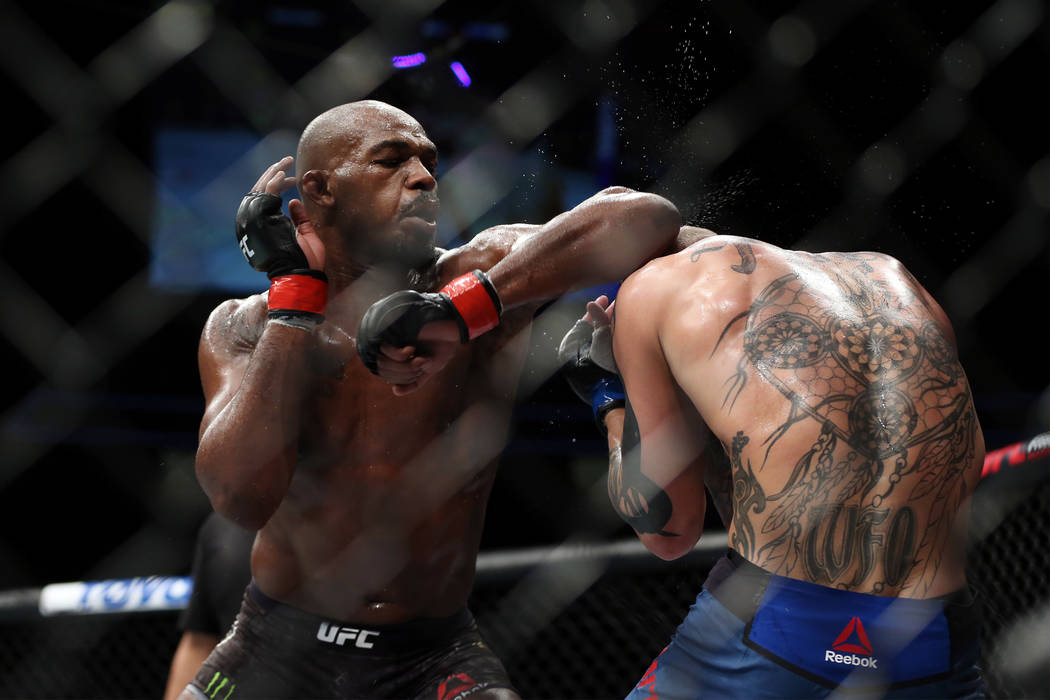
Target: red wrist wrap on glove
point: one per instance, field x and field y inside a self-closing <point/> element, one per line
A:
<point x="298" y="293"/>
<point x="476" y="301"/>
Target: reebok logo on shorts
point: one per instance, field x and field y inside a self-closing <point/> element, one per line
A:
<point x="851" y="647"/>
<point x="341" y="635"/>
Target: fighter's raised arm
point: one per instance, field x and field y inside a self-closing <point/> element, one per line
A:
<point x="657" y="457"/>
<point x="253" y="372"/>
<point x="601" y="240"/>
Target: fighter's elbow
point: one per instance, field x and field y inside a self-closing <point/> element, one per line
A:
<point x="615" y="189"/>
<point x="657" y="215"/>
<point x="670" y="546"/>
<point x="638" y="226"/>
<point x="246" y="505"/>
<point x="249" y="512"/>
<point x="643" y="211"/>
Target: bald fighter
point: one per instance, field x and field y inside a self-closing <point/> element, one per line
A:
<point x="368" y="495"/>
<point x="819" y="400"/>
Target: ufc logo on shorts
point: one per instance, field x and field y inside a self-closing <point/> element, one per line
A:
<point x="341" y="635"/>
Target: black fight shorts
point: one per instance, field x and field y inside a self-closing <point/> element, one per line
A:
<point x="277" y="651"/>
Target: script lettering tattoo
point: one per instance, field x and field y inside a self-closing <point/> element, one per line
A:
<point x="861" y="357"/>
<point x="637" y="500"/>
<point x="840" y="538"/>
<point x="899" y="552"/>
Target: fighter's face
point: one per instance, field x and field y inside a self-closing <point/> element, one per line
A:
<point x="385" y="190"/>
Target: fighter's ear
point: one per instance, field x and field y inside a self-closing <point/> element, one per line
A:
<point x="313" y="185"/>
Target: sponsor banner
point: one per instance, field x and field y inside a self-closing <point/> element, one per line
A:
<point x="116" y="595"/>
<point x="1031" y="450"/>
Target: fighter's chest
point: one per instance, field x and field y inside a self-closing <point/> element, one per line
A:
<point x="349" y="408"/>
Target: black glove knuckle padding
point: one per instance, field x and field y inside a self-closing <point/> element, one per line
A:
<point x="579" y="370"/>
<point x="582" y="376"/>
<point x="267" y="237"/>
<point x="397" y="319"/>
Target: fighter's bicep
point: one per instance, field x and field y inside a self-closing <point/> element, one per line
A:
<point x="640" y="359"/>
<point x="661" y="446"/>
<point x="657" y="487"/>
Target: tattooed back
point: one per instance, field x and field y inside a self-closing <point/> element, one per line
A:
<point x="833" y="384"/>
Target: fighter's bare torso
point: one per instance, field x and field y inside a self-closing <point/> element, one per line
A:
<point x="382" y="519"/>
<point x="833" y="384"/>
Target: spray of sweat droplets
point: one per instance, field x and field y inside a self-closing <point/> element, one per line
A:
<point x="654" y="100"/>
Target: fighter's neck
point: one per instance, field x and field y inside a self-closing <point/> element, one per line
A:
<point x="392" y="276"/>
<point x="352" y="289"/>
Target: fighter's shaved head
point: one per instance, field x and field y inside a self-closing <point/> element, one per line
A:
<point x="340" y="129"/>
<point x="360" y="167"/>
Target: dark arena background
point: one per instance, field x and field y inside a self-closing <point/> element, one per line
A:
<point x="918" y="129"/>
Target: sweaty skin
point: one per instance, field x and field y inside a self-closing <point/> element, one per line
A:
<point x="370" y="502"/>
<point x="820" y="400"/>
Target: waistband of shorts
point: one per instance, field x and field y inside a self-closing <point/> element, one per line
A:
<point x="361" y="638"/>
<point x="744" y="593"/>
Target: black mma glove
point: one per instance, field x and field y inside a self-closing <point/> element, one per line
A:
<point x="587" y="363"/>
<point x="470" y="300"/>
<point x="298" y="294"/>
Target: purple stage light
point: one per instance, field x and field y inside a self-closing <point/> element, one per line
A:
<point x="409" y="61"/>
<point x="461" y="73"/>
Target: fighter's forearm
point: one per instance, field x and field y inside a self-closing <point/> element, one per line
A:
<point x="687" y="236"/>
<point x="248" y="450"/>
<point x="638" y="501"/>
<point x="614" y="438"/>
<point x="600" y="241"/>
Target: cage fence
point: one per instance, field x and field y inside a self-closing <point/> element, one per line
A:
<point x="938" y="102"/>
<point x="594" y="645"/>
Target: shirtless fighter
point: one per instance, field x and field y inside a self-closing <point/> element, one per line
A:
<point x="819" y="399"/>
<point x="368" y="501"/>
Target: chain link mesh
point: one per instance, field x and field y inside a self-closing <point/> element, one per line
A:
<point x="802" y="122"/>
<point x="597" y="646"/>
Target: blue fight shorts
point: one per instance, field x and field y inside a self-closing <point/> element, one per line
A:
<point x="752" y="634"/>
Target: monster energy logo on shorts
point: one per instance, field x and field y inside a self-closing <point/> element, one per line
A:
<point x="219" y="683"/>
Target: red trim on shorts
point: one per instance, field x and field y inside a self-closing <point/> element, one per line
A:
<point x="648" y="682"/>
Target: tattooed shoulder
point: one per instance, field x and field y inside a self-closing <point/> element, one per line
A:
<point x="700" y="250"/>
<point x="747" y="256"/>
